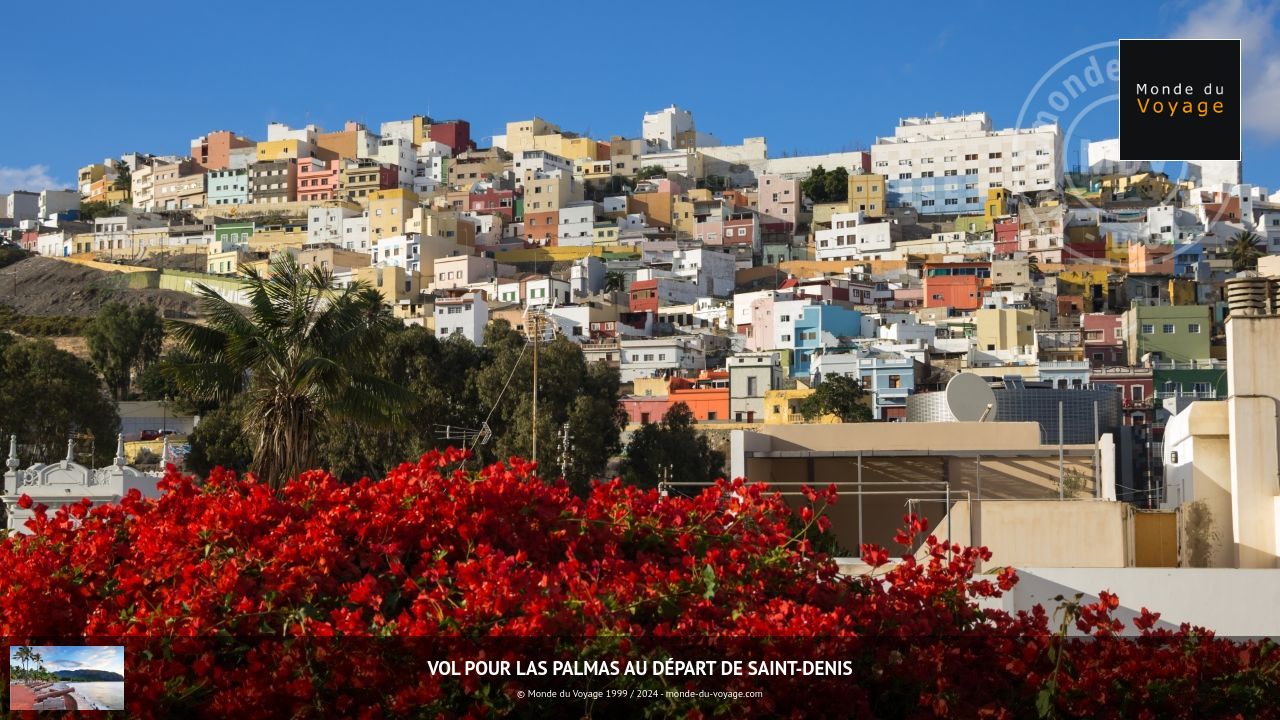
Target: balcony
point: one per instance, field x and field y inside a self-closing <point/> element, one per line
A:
<point x="1189" y="365"/>
<point x="1210" y="394"/>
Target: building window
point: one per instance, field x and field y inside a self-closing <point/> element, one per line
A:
<point x="895" y="381"/>
<point x="1148" y="329"/>
<point x="1193" y="328"/>
<point x="1167" y="328"/>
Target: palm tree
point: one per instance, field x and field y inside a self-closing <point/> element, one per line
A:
<point x="302" y="352"/>
<point x="24" y="655"/>
<point x="614" y="281"/>
<point x="1244" y="249"/>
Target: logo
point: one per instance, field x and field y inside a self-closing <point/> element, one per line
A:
<point x="1180" y="98"/>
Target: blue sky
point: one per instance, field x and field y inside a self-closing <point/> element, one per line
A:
<point x="74" y="657"/>
<point x="89" y="80"/>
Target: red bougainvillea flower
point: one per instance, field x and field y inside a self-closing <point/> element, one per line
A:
<point x="333" y="600"/>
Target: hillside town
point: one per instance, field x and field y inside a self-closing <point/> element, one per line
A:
<point x="1090" y="297"/>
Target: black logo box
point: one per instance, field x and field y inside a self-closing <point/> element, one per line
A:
<point x="1186" y="69"/>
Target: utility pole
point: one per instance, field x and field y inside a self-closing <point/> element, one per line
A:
<point x="564" y="451"/>
<point x="534" y="317"/>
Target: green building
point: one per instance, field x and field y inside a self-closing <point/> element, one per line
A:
<point x="1179" y="333"/>
<point x="232" y="234"/>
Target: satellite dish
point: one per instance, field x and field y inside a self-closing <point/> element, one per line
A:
<point x="970" y="398"/>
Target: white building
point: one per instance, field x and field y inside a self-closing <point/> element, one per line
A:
<point x="53" y="202"/>
<point x="665" y="127"/>
<point x="403" y="251"/>
<point x="798" y="167"/>
<point x="324" y="223"/>
<point x="540" y="161"/>
<point x="714" y="272"/>
<point x="23" y="205"/>
<point x="751" y="375"/>
<point x="65" y="482"/>
<point x="577" y="224"/>
<point x="1104" y="159"/>
<point x="851" y="237"/>
<point x="355" y="232"/>
<point x="465" y="315"/>
<point x="946" y="165"/>
<point x="654" y="357"/>
<point x="460" y="271"/>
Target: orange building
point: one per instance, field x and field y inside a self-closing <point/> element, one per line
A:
<point x="542" y="228"/>
<point x="1153" y="259"/>
<point x="213" y="151"/>
<point x="956" y="285"/>
<point x="706" y="395"/>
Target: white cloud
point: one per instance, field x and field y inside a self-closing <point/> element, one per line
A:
<point x="34" y="178"/>
<point x="1254" y="24"/>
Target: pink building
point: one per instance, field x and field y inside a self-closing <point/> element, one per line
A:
<point x="1104" y="339"/>
<point x="779" y="201"/>
<point x="317" y="180"/>
<point x="760" y="332"/>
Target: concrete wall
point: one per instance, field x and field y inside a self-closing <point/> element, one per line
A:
<point x="1200" y="482"/>
<point x="1253" y="374"/>
<point x="1180" y="595"/>
<point x="1045" y="533"/>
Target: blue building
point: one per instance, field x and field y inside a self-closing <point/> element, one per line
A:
<point x="888" y="378"/>
<point x="822" y="326"/>
<point x="946" y="195"/>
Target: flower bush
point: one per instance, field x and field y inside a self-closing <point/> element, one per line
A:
<point x="329" y="600"/>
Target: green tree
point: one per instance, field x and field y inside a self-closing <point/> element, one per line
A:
<point x="304" y="354"/>
<point x="671" y="449"/>
<point x="90" y="211"/>
<point x="838" y="395"/>
<point x="124" y="340"/>
<point x="124" y="176"/>
<point x="571" y="391"/>
<point x="614" y="281"/>
<point x="1244" y="249"/>
<point x="438" y="375"/>
<point x="823" y="187"/>
<point x="45" y="394"/>
<point x="220" y="441"/>
<point x="651" y="171"/>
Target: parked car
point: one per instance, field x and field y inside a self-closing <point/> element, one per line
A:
<point x="155" y="434"/>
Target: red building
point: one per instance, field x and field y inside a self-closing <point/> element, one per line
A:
<point x="644" y="296"/>
<point x="454" y="133"/>
<point x="960" y="286"/>
<point x="494" y="202"/>
<point x="1005" y="232"/>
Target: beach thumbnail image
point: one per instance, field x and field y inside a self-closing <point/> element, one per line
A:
<point x="66" y="677"/>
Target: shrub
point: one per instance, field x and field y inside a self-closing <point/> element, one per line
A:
<point x="326" y="600"/>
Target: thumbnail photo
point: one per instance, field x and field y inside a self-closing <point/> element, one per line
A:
<point x="66" y="677"/>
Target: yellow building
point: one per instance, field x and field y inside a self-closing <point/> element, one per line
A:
<point x="867" y="194"/>
<point x="997" y="204"/>
<point x="283" y="149"/>
<point x="472" y="166"/>
<point x="395" y="284"/>
<point x="274" y="238"/>
<point x="521" y="134"/>
<point x="605" y="234"/>
<point x="1078" y="280"/>
<point x="782" y="407"/>
<point x="390" y="212"/>
<point x="1148" y="186"/>
<point x="88" y="175"/>
<point x="1006" y="328"/>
